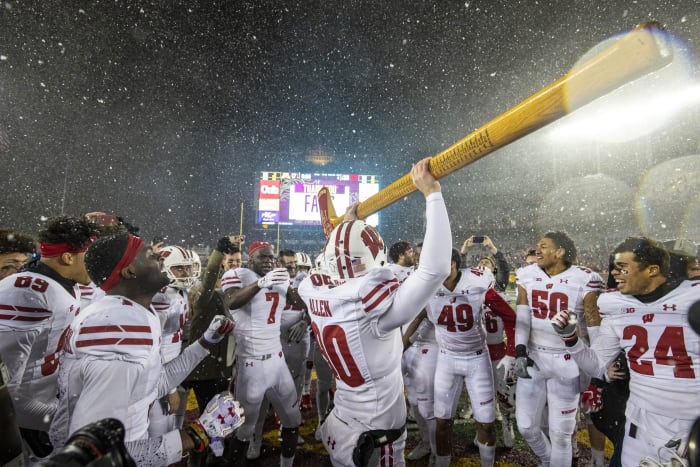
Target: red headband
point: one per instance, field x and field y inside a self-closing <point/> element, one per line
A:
<point x="130" y="252"/>
<point x="257" y="245"/>
<point x="52" y="250"/>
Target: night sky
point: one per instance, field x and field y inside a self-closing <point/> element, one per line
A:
<point x="163" y="112"/>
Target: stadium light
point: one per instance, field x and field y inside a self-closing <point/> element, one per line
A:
<point x="626" y="118"/>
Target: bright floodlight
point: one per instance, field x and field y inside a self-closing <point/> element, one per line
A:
<point x="636" y="109"/>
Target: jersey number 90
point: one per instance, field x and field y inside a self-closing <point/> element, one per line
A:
<point x="335" y="348"/>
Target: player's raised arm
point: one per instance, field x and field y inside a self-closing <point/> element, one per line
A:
<point x="434" y="267"/>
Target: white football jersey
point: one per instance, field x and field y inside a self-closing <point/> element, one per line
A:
<point x="663" y="352"/>
<point x="356" y="324"/>
<point x="35" y="312"/>
<point x="401" y="272"/>
<point x="456" y="313"/>
<point x="500" y="333"/>
<point x="425" y="334"/>
<point x="291" y="314"/>
<point x="547" y="295"/>
<point x="172" y="307"/>
<point x="113" y="329"/>
<point x="88" y="294"/>
<point x="257" y="330"/>
<point x="365" y="361"/>
<point x="494" y="323"/>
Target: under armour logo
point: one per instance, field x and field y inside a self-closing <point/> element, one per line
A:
<point x="648" y="318"/>
<point x="669" y="307"/>
<point x="424" y="351"/>
<point x="563" y="281"/>
<point x="567" y="356"/>
<point x="331" y="443"/>
<point x="248" y="363"/>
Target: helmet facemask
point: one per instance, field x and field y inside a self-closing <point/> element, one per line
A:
<point x="175" y="256"/>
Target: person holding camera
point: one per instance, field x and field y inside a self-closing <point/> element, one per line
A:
<point x="112" y="368"/>
<point x="496" y="262"/>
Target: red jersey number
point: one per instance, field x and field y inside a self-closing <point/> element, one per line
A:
<point x="334" y="345"/>
<point x="545" y="305"/>
<point x="35" y="283"/>
<point x="491" y="323"/>
<point x="458" y="318"/>
<point x="275" y="299"/>
<point x="670" y="350"/>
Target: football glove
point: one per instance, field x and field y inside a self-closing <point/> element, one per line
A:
<point x="224" y="245"/>
<point x="275" y="277"/>
<point x="564" y="324"/>
<point x="219" y="328"/>
<point x="522" y="361"/>
<point x="592" y="399"/>
<point x="301" y="275"/>
<point x="508" y="365"/>
<point x="297" y="331"/>
<point x="220" y="418"/>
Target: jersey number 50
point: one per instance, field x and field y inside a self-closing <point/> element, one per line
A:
<point x="545" y="305"/>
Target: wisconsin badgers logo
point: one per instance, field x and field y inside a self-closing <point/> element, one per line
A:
<point x="372" y="240"/>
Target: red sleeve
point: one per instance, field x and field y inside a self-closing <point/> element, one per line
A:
<point x="502" y="308"/>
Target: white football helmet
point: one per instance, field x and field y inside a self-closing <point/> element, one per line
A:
<point x="318" y="262"/>
<point x="196" y="265"/>
<point x="303" y="260"/>
<point x="175" y="256"/>
<point x="353" y="249"/>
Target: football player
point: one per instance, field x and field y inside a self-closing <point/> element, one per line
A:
<point x="356" y="311"/>
<point x="171" y="305"/>
<point x="496" y="335"/>
<point x="647" y="318"/>
<point x="546" y="373"/>
<point x="39" y="303"/>
<point x="463" y="355"/>
<point x="112" y="362"/>
<point x="15" y="250"/>
<point x="256" y="297"/>
<point x="418" y="365"/>
<point x="418" y="368"/>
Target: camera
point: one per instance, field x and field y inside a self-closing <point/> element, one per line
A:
<point x="476" y="239"/>
<point x="99" y="444"/>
